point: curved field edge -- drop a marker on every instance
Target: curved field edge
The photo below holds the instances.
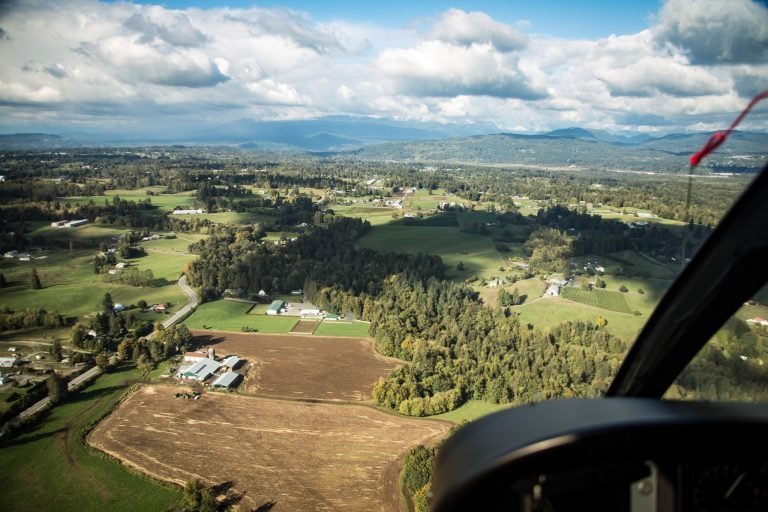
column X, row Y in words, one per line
column 316, row 455
column 51, row 467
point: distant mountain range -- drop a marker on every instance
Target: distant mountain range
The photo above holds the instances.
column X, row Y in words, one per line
column 385, row 139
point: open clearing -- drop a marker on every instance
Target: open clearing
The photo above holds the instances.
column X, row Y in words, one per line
column 610, row 300
column 304, row 367
column 284, row 455
column 477, row 252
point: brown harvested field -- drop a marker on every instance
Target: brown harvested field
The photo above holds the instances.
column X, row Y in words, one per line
column 304, row 367
column 305, row 326
column 297, row 455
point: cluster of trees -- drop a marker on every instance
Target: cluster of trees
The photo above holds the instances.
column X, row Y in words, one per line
column 165, row 343
column 326, row 256
column 459, row 348
column 11, row 320
column 132, row 276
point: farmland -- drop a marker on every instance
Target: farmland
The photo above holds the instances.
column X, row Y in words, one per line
column 49, row 467
column 477, row 252
column 306, row 367
column 610, row 300
column 286, row 455
column 355, row 329
column 226, row 315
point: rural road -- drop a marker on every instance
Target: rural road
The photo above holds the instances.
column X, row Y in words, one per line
column 95, row 371
column 192, row 303
column 45, row 402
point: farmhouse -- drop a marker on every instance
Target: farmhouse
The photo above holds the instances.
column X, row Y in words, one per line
column 553, row 290
column 758, row 321
column 7, row 362
column 226, row 380
column 188, row 212
column 201, row 370
column 275, row 307
column 195, row 357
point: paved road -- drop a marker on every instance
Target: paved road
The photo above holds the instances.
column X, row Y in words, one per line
column 192, row 302
column 93, row 372
column 73, row 385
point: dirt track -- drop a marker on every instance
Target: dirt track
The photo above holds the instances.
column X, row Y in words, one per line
column 301, row 456
column 304, row 367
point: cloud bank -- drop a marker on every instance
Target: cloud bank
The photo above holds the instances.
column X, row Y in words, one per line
column 83, row 64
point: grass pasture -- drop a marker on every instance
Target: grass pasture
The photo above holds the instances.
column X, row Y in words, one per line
column 470, row 411
column 477, row 252
column 613, row 301
column 227, row 315
column 336, row 328
column 550, row 311
column 375, row 215
column 49, row 468
column 317, row 456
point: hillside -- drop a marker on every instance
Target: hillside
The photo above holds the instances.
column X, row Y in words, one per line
column 578, row 149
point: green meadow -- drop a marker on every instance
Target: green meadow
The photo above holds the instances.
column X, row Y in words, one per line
column 226, row 315
column 477, row 252
column 336, row 328
column 50, row 468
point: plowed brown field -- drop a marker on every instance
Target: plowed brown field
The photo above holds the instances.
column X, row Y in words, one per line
column 296, row 456
column 305, row 367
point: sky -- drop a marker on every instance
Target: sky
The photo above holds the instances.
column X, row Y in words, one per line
column 123, row 67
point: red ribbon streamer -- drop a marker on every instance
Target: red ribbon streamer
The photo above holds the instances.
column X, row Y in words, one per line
column 719, row 137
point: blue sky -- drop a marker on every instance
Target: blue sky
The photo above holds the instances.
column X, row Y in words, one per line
column 562, row 18
column 626, row 66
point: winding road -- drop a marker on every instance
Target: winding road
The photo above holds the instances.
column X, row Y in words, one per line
column 95, row 371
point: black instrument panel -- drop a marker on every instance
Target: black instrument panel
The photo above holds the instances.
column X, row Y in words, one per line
column 610, row 454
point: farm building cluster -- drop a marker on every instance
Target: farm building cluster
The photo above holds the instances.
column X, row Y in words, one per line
column 303, row 310
column 204, row 367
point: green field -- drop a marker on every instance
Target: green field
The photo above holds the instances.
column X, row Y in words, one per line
column 226, row 315
column 470, row 411
column 241, row 218
column 71, row 287
column 163, row 202
column 335, row 328
column 180, row 244
column 375, row 215
column 550, row 311
column 477, row 252
column 49, row 467
column 613, row 301
column 163, row 265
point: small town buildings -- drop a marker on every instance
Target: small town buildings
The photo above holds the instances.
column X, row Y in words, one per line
column 226, row 380
column 275, row 307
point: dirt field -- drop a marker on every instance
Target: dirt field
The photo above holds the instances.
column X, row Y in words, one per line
column 280, row 455
column 305, row 367
column 305, row 326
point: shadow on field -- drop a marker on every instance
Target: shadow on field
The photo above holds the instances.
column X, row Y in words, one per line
column 26, row 439
column 92, row 394
column 207, row 339
column 265, row 507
